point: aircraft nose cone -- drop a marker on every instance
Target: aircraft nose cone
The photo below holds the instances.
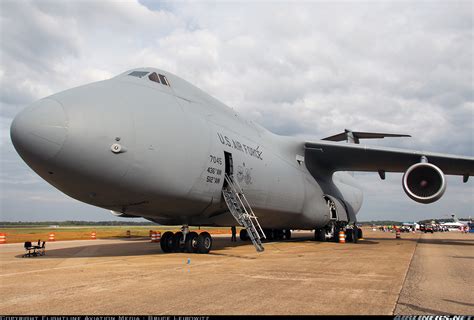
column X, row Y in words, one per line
column 39, row 131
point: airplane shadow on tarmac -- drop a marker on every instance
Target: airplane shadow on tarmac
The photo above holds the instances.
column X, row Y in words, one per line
column 451, row 242
column 139, row 247
column 129, row 247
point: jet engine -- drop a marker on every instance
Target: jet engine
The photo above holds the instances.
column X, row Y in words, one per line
column 424, row 182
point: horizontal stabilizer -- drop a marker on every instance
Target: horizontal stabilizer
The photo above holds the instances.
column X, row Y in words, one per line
column 355, row 136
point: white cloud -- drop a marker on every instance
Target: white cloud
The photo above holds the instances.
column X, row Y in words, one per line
column 307, row 69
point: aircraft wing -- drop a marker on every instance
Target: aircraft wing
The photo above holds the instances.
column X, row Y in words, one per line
column 355, row 157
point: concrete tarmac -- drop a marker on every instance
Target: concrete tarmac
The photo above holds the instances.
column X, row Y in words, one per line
column 441, row 276
column 292, row 277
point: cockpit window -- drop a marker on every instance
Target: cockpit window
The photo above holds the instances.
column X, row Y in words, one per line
column 154, row 77
column 138, row 74
column 164, row 80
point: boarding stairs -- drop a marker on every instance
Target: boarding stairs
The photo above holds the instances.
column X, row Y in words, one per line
column 242, row 212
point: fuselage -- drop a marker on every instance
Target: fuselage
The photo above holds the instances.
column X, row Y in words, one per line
column 454, row 226
column 160, row 151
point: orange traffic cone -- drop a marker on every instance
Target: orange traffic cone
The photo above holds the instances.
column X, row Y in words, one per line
column 342, row 237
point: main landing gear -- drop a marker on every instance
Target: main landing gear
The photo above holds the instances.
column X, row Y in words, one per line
column 270, row 234
column 185, row 241
column 331, row 233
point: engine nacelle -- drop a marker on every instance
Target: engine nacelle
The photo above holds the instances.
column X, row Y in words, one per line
column 424, row 182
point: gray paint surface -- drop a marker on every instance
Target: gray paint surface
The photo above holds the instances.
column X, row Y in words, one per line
column 171, row 164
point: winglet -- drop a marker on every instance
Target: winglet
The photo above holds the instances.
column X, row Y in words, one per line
column 354, row 136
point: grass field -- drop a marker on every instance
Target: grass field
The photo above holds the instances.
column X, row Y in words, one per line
column 15, row 234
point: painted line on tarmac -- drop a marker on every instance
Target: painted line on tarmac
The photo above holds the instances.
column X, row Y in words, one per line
column 406, row 275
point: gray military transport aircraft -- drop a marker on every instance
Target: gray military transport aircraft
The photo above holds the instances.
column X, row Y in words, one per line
column 148, row 144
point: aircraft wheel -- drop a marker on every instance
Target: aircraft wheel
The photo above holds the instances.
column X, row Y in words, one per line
column 320, row 235
column 191, row 244
column 350, row 233
column 204, row 242
column 177, row 245
column 335, row 237
column 166, row 242
column 278, row 234
column 359, row 233
column 287, row 234
column 268, row 234
column 244, row 236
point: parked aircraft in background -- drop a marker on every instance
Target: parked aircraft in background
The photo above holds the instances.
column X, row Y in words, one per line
column 456, row 225
column 149, row 144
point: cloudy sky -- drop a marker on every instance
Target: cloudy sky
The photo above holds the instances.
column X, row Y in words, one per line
column 306, row 69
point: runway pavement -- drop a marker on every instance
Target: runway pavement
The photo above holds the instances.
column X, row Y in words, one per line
column 441, row 276
column 132, row 276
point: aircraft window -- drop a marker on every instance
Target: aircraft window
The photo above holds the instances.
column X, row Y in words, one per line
column 164, row 80
column 138, row 74
column 154, row 77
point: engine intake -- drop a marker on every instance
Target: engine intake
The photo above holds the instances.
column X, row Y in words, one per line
column 424, row 182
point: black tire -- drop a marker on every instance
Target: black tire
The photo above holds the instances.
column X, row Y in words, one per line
column 204, row 242
column 244, row 236
column 268, row 234
column 166, row 242
column 349, row 235
column 287, row 234
column 320, row 235
column 355, row 235
column 191, row 245
column 177, row 245
column 360, row 235
column 336, row 234
column 278, row 234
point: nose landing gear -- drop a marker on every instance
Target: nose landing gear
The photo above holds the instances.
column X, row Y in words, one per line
column 204, row 242
column 191, row 243
column 166, row 241
column 186, row 241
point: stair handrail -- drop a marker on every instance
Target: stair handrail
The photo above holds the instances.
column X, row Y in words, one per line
column 235, row 186
column 242, row 218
